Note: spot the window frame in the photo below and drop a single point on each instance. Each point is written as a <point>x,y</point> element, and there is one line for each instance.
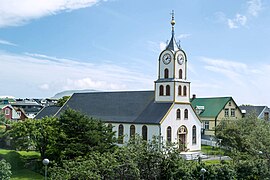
<point>232,112</point>
<point>161,90</point>
<point>169,134</point>
<point>186,114</point>
<point>226,112</point>
<point>144,132</point>
<point>206,125</point>
<point>120,134</point>
<point>178,114</point>
<point>194,134</point>
<point>166,73</point>
<point>132,131</point>
<point>168,90</point>
<point>7,111</point>
<point>185,91</point>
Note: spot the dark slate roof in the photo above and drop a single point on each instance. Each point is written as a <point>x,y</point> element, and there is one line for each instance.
<point>252,109</point>
<point>172,44</point>
<point>47,111</point>
<point>124,106</point>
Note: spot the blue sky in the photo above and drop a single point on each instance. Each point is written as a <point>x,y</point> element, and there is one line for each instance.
<point>48,46</point>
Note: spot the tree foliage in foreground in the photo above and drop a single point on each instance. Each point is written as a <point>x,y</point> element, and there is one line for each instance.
<point>5,170</point>
<point>138,160</point>
<point>247,141</point>
<point>80,134</point>
<point>67,137</point>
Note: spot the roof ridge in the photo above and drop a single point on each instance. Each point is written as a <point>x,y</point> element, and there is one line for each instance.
<point>101,92</point>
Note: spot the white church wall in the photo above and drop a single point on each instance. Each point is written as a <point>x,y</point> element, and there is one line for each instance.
<point>175,124</point>
<point>152,130</point>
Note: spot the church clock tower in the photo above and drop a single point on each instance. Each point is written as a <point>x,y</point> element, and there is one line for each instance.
<point>172,84</point>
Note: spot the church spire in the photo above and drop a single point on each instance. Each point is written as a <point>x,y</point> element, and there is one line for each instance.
<point>172,44</point>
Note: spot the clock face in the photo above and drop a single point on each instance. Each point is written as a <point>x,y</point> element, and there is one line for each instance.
<point>166,58</point>
<point>180,59</point>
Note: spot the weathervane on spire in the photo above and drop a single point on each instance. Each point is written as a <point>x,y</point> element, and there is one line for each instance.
<point>172,22</point>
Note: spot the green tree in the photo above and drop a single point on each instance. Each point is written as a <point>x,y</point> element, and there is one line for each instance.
<point>34,135</point>
<point>80,134</point>
<point>62,101</point>
<point>5,170</point>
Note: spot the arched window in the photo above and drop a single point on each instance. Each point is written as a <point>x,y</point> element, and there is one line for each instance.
<point>144,132</point>
<point>166,73</point>
<point>179,90</point>
<point>169,134</point>
<point>194,138</point>
<point>185,91</point>
<point>132,131</point>
<point>178,114</point>
<point>167,90</point>
<point>180,74</point>
<point>161,90</point>
<point>186,114</point>
<point>120,134</point>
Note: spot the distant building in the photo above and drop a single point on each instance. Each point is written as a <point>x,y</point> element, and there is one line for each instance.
<point>9,112</point>
<point>213,110</point>
<point>262,112</point>
<point>30,107</point>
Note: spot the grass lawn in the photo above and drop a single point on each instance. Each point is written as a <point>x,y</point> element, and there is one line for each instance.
<point>17,159</point>
<point>209,150</point>
<point>26,174</point>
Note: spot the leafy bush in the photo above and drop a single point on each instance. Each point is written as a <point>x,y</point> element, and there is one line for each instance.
<point>5,170</point>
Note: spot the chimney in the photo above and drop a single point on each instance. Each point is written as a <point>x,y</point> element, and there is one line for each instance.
<point>193,96</point>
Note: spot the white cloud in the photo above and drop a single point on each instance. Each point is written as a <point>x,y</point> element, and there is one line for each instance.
<point>18,12</point>
<point>183,36</point>
<point>4,42</point>
<point>162,46</point>
<point>239,20</point>
<point>39,75</point>
<point>254,7</point>
<point>245,82</point>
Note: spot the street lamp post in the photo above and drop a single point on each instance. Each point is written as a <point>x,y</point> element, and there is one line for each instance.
<point>219,142</point>
<point>46,162</point>
<point>202,172</point>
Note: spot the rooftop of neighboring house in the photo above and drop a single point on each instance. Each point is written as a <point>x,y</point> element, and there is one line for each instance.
<point>47,111</point>
<point>211,106</point>
<point>257,110</point>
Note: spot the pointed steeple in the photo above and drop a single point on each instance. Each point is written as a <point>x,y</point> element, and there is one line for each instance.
<point>172,44</point>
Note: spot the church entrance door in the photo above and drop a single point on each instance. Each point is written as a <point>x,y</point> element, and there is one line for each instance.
<point>182,138</point>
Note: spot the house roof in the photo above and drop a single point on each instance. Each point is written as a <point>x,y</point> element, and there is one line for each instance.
<point>123,106</point>
<point>47,111</point>
<point>212,106</point>
<point>257,110</point>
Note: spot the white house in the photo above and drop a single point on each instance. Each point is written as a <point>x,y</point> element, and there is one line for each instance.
<point>164,112</point>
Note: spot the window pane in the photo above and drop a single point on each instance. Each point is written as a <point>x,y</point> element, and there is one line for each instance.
<point>169,134</point>
<point>167,90</point>
<point>194,139</point>
<point>186,114</point>
<point>120,134</point>
<point>144,133</point>
<point>132,131</point>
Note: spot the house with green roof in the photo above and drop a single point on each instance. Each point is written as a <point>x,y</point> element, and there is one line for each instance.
<point>214,109</point>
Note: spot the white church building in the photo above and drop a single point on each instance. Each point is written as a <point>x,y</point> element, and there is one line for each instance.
<point>165,112</point>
